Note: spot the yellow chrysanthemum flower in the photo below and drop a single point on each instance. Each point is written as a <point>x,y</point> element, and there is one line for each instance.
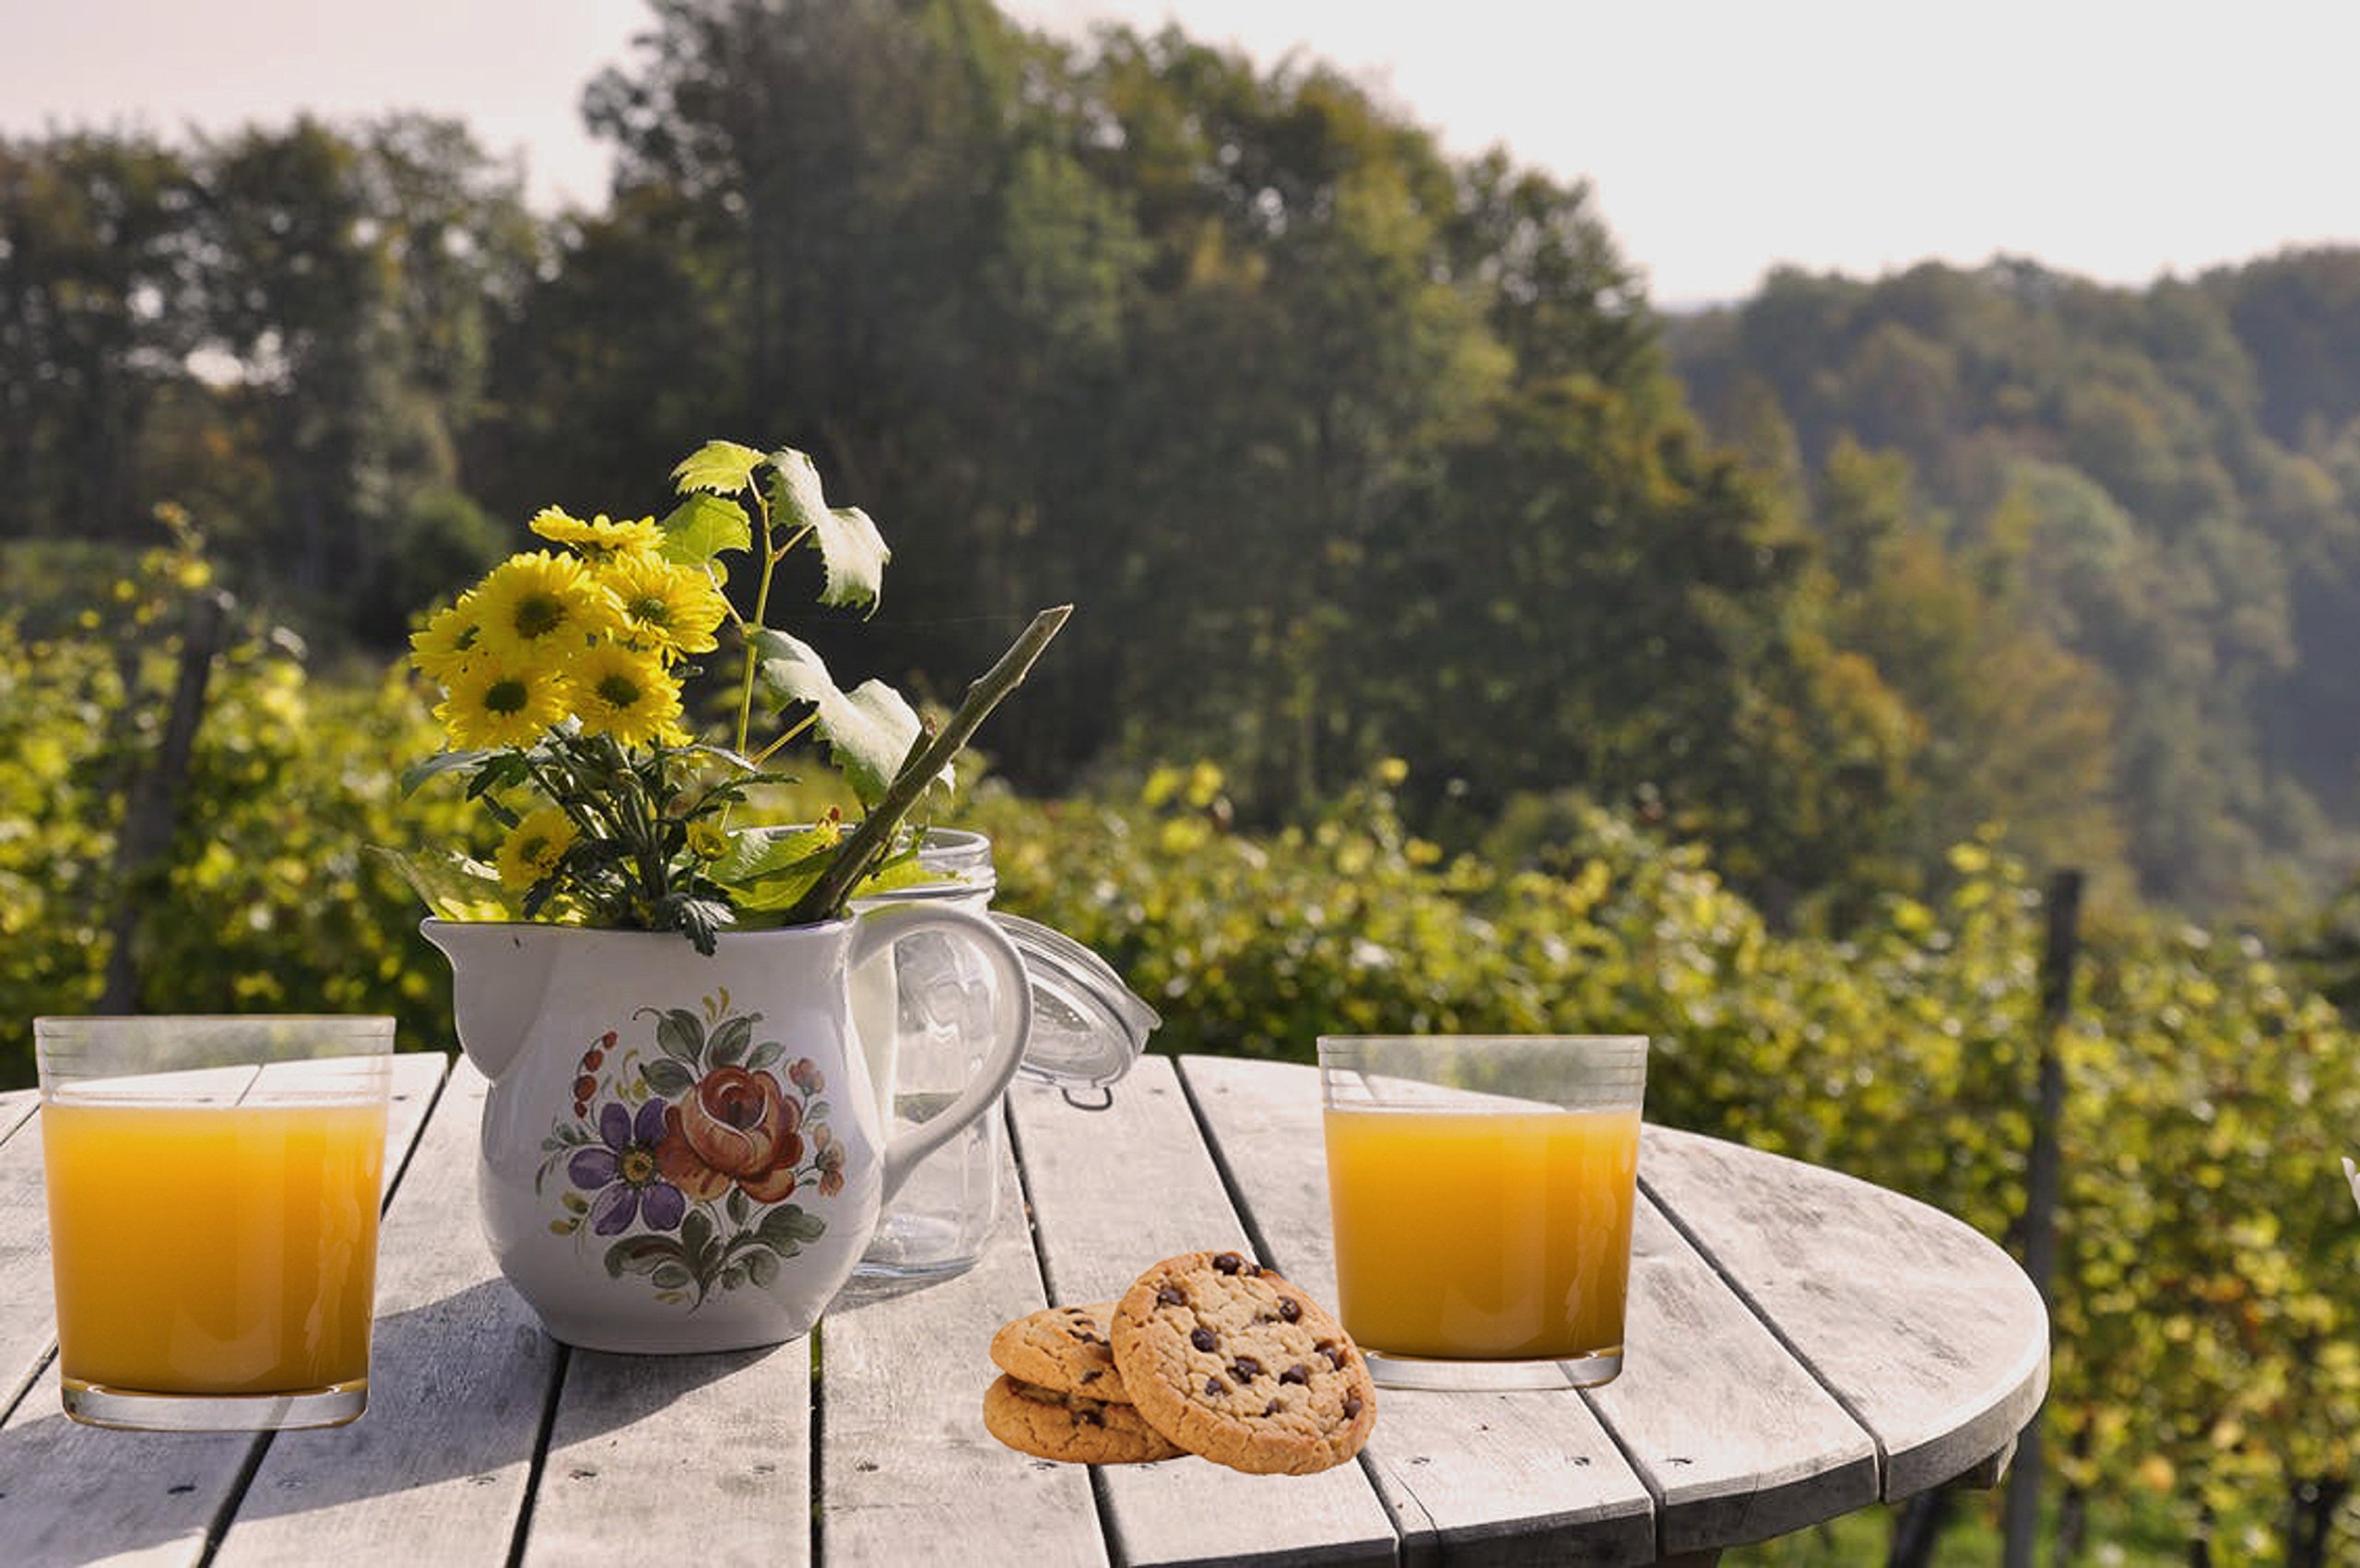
<point>542,607</point>
<point>672,608</point>
<point>447,642</point>
<point>497,700</point>
<point>533,848</point>
<point>600,540</point>
<point>625,693</point>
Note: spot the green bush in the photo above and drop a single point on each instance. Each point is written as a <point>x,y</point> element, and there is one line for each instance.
<point>267,898</point>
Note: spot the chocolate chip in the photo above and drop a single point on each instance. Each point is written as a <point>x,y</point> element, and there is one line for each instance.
<point>1227,1263</point>
<point>1091,1418</point>
<point>1203,1339</point>
<point>1297,1373</point>
<point>1271,1408</point>
<point>1352,1405</point>
<point>1092,1375</point>
<point>1290,1309</point>
<point>1214,1385</point>
<point>1247,1369</point>
<point>1171,1295</point>
<point>1339,1357</point>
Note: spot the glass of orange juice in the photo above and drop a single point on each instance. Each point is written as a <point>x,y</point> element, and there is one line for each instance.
<point>1482,1190</point>
<point>213,1187</point>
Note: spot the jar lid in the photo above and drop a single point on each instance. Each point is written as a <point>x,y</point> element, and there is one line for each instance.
<point>1087,1027</point>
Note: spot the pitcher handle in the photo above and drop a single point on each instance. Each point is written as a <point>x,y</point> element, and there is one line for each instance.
<point>879,929</point>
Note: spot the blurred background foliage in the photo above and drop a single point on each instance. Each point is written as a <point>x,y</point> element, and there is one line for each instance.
<point>1461,644</point>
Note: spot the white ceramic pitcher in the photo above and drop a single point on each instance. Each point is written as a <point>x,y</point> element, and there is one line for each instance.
<point>682,1152</point>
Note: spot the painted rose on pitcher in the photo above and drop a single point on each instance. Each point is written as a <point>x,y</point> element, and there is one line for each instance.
<point>685,1151</point>
<point>735,1125</point>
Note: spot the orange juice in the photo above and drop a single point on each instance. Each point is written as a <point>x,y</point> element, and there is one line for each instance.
<point>214,1249</point>
<point>1480,1235</point>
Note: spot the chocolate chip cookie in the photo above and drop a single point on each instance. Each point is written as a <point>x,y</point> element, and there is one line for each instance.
<point>1071,1427</point>
<point>1065,1349</point>
<point>1229,1361</point>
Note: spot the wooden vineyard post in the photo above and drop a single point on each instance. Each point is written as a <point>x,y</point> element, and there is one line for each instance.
<point>151,804</point>
<point>2042,1179</point>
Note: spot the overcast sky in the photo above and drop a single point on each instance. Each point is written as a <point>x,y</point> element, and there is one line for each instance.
<point>2115,141</point>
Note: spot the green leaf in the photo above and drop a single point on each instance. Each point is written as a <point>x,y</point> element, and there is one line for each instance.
<point>738,1208</point>
<point>727,1045</point>
<point>642,1254</point>
<point>769,868</point>
<point>902,869</point>
<point>869,731</point>
<point>722,466</point>
<point>696,1235</point>
<point>679,1034</point>
<point>787,1226</point>
<point>452,886</point>
<point>439,763</point>
<point>673,1277</point>
<point>851,549</point>
<point>702,526</point>
<point>762,1267</point>
<point>667,1077</point>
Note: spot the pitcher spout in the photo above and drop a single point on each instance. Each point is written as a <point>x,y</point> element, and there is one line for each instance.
<point>499,974</point>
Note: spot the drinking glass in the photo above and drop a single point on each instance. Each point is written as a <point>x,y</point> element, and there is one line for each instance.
<point>213,1187</point>
<point>1482,1190</point>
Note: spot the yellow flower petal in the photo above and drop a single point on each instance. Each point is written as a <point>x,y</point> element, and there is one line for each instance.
<point>534,847</point>
<point>495,701</point>
<point>599,539</point>
<point>665,607</point>
<point>624,692</point>
<point>542,607</point>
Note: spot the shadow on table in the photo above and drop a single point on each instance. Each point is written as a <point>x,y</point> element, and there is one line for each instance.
<point>459,1389</point>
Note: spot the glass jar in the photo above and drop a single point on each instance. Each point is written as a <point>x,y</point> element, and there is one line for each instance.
<point>923,1010</point>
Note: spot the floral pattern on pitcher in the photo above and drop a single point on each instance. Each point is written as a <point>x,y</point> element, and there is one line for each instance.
<point>687,1154</point>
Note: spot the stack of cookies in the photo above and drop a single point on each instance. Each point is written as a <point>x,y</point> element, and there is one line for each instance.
<point>1208,1353</point>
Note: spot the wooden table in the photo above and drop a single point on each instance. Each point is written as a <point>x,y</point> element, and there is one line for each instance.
<point>1801,1345</point>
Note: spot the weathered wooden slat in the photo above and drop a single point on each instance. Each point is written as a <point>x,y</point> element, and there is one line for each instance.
<point>1937,1344</point>
<point>418,1084</point>
<point>909,1474</point>
<point>1482,1478</point>
<point>1737,1440</point>
<point>71,1493</point>
<point>709,1451</point>
<point>15,1105</point>
<point>28,1302</point>
<point>1113,1192</point>
<point>436,1471</point>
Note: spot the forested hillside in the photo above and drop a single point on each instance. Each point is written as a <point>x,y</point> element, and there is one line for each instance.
<point>2162,486</point>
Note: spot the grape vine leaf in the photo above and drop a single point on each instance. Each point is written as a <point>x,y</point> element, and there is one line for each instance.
<point>723,468</point>
<point>851,549</point>
<point>869,731</point>
<point>702,526</point>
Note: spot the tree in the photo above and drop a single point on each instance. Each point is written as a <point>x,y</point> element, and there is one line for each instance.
<point>98,291</point>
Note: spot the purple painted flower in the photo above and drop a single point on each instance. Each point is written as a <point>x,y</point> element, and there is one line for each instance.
<point>623,1174</point>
